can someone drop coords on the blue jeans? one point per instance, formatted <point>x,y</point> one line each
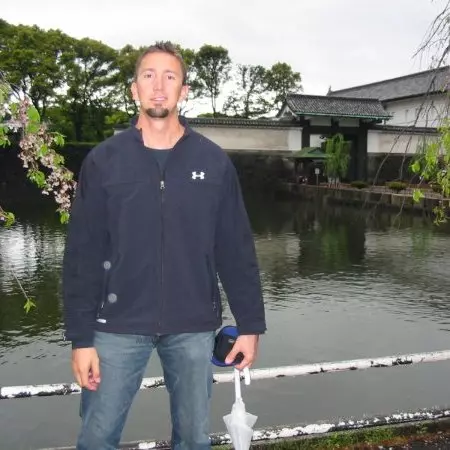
<point>186,362</point>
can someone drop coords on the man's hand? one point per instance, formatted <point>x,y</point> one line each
<point>86,367</point>
<point>247,344</point>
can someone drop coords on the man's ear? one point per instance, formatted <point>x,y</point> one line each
<point>184,93</point>
<point>134,92</point>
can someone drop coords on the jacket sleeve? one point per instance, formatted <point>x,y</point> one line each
<point>236,260</point>
<point>83,257</point>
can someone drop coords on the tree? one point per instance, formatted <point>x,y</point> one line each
<point>32,61</point>
<point>249,98</point>
<point>90,76</point>
<point>189,56</point>
<point>433,165</point>
<point>125,62</point>
<point>212,65</point>
<point>337,158</point>
<point>281,80</point>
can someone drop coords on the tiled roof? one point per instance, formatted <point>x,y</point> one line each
<point>318,105</point>
<point>416,84</point>
<point>231,122</point>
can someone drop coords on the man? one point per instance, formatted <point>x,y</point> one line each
<point>157,215</point>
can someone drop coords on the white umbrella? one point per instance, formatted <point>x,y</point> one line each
<point>239,422</point>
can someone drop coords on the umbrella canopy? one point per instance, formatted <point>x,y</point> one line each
<point>239,422</point>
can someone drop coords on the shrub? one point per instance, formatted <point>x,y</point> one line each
<point>358,184</point>
<point>397,185</point>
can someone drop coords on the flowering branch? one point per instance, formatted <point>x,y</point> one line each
<point>45,166</point>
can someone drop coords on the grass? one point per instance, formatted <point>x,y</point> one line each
<point>368,439</point>
<point>341,440</point>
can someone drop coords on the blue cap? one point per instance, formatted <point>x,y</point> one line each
<point>223,344</point>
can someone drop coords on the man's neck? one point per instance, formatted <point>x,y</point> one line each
<point>160,133</point>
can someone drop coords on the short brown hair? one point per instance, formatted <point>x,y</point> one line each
<point>164,47</point>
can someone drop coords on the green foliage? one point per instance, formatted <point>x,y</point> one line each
<point>249,99</point>
<point>337,152</point>
<point>125,64</point>
<point>396,186</point>
<point>81,87</point>
<point>343,440</point>
<point>432,164</point>
<point>90,76</point>
<point>7,218</point>
<point>33,62</point>
<point>4,140</point>
<point>44,165</point>
<point>37,177</point>
<point>281,80</point>
<point>212,65</point>
<point>418,195</point>
<point>29,304</point>
<point>358,184</point>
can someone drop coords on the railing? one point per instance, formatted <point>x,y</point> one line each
<point>274,433</point>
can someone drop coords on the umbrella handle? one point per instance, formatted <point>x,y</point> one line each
<point>237,381</point>
<point>237,384</point>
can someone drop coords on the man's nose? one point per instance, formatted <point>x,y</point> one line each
<point>157,84</point>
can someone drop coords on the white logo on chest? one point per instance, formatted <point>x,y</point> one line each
<point>198,175</point>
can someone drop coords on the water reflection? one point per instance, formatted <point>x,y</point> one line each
<point>32,251</point>
<point>314,254</point>
<point>307,252</point>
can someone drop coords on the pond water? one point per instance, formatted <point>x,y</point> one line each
<point>339,283</point>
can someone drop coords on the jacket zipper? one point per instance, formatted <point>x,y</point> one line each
<point>162,187</point>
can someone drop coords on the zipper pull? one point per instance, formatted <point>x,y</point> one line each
<point>162,185</point>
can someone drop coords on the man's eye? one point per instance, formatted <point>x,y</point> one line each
<point>171,77</point>
<point>147,75</point>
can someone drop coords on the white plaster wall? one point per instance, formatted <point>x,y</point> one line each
<point>295,139</point>
<point>315,140</point>
<point>284,139</point>
<point>428,110</point>
<point>318,121</point>
<point>389,142</point>
<point>348,122</point>
<point>373,141</point>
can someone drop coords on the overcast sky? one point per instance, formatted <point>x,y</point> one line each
<point>337,43</point>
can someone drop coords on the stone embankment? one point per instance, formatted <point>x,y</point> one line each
<point>373,196</point>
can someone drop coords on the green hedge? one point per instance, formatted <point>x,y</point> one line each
<point>397,186</point>
<point>359,184</point>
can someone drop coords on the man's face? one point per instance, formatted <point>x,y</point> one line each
<point>159,85</point>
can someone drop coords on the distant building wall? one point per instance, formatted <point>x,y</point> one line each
<point>253,139</point>
<point>429,111</point>
<point>398,142</point>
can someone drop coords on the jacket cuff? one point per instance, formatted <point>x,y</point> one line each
<point>255,328</point>
<point>82,344</point>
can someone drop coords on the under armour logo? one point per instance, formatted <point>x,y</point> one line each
<point>200,175</point>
